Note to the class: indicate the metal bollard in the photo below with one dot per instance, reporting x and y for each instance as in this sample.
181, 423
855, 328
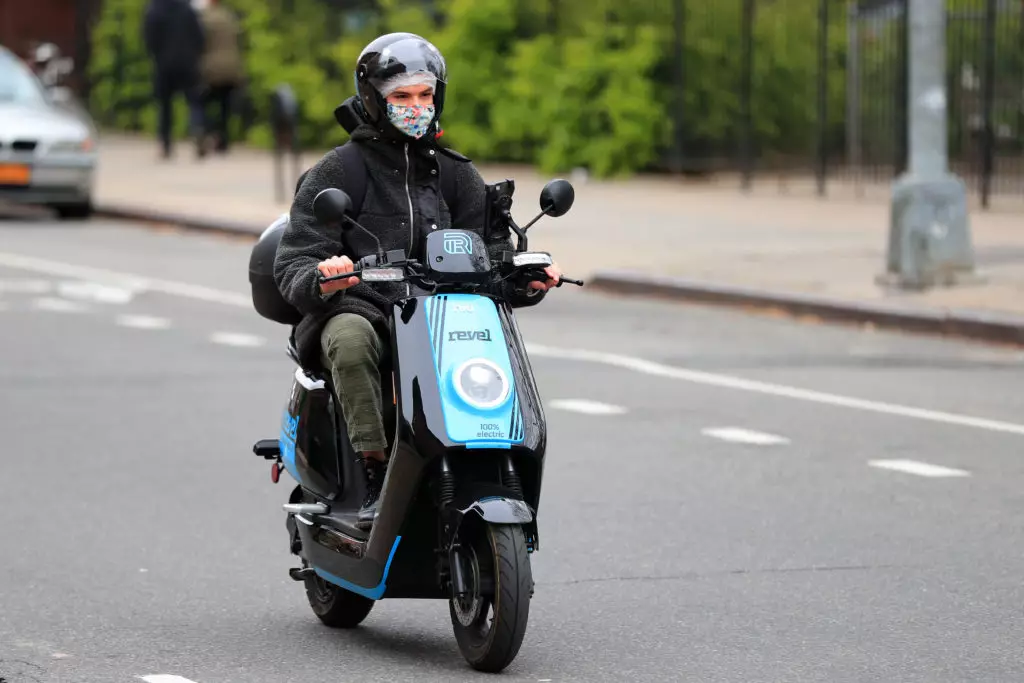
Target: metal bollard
284, 124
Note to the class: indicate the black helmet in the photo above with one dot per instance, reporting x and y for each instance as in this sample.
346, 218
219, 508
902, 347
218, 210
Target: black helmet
390, 55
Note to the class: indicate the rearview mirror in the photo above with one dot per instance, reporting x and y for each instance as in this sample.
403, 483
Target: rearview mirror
557, 197
331, 205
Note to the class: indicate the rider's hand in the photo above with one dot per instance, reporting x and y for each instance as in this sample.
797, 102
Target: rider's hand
336, 265
554, 273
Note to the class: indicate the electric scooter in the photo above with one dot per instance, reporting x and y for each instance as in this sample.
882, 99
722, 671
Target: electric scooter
457, 514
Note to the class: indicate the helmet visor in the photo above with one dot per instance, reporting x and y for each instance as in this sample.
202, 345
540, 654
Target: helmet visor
408, 56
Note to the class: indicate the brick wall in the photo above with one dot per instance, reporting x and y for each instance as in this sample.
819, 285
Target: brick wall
65, 23
24, 22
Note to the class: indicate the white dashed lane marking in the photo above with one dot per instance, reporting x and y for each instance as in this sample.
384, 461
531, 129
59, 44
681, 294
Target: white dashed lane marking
25, 286
579, 405
921, 469
165, 678
95, 291
49, 303
747, 436
237, 339
143, 322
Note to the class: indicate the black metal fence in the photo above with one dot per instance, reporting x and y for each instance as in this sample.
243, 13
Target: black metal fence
817, 89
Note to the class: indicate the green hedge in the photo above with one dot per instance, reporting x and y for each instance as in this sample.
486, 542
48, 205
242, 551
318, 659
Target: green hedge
557, 83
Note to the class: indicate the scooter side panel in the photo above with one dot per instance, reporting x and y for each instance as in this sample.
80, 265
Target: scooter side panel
308, 436
465, 329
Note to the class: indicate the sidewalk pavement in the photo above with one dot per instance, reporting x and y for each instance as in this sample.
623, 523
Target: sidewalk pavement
702, 241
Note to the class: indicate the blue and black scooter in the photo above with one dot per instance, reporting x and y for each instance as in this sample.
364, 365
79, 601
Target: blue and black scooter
457, 516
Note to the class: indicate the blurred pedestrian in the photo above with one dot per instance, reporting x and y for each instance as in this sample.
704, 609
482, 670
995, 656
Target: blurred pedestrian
222, 70
174, 40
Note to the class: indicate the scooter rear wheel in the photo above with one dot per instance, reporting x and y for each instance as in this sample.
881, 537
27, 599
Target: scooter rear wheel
490, 621
335, 606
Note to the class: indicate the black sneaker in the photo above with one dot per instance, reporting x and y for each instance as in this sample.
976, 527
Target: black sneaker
375, 470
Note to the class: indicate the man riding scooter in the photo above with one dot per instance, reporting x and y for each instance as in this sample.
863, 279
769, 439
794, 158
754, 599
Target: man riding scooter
413, 186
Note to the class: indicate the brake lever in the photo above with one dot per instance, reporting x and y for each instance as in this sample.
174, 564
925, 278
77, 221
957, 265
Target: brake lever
568, 280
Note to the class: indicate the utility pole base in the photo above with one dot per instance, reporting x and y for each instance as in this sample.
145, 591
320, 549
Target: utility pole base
929, 235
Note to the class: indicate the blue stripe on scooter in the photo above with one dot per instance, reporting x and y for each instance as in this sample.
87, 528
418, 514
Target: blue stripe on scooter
374, 593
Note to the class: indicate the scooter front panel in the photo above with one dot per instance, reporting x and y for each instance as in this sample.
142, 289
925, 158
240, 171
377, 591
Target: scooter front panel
476, 382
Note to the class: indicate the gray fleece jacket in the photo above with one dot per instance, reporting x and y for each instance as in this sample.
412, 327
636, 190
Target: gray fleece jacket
402, 204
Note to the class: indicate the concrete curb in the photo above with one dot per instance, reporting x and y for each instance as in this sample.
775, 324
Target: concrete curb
212, 224
976, 325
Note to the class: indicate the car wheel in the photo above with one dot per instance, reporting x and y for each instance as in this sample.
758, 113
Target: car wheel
74, 211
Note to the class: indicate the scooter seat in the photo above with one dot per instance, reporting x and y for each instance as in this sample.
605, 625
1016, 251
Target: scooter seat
316, 373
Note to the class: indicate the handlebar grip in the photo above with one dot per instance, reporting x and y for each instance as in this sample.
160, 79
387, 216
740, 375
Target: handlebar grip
344, 276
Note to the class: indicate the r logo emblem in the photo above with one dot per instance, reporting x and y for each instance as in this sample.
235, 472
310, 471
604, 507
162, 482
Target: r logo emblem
458, 243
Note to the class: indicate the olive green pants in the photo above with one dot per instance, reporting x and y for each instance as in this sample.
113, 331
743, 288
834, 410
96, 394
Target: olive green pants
352, 350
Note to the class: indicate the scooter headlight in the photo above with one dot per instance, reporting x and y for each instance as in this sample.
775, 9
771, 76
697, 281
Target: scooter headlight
481, 383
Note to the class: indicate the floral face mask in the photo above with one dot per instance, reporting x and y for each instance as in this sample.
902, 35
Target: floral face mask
413, 121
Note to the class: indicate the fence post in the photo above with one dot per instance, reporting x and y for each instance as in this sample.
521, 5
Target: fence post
929, 234
679, 78
853, 143
987, 96
284, 124
746, 93
822, 95
900, 162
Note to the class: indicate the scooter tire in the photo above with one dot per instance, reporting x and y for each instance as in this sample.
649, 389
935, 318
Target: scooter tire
491, 650
335, 606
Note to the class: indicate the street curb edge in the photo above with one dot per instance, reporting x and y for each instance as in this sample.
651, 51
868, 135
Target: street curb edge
976, 325
216, 225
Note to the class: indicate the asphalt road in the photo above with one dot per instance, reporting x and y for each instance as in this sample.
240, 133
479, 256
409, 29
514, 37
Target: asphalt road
719, 501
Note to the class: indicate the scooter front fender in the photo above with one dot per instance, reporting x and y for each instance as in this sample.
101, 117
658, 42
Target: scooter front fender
500, 510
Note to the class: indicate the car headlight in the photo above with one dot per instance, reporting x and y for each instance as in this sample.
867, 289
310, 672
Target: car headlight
71, 146
481, 383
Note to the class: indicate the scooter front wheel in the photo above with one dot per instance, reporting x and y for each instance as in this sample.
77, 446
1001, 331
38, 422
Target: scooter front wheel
335, 606
490, 620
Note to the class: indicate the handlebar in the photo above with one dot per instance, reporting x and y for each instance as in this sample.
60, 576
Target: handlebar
402, 271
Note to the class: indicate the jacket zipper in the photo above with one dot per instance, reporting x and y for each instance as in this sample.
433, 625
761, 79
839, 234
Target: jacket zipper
408, 196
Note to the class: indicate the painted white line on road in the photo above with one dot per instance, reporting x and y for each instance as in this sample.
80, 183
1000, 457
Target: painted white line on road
95, 291
143, 322
740, 435
922, 469
727, 382
165, 678
237, 339
626, 362
135, 282
579, 405
25, 286
46, 303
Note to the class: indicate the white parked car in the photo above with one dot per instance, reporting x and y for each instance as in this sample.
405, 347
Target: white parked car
47, 144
